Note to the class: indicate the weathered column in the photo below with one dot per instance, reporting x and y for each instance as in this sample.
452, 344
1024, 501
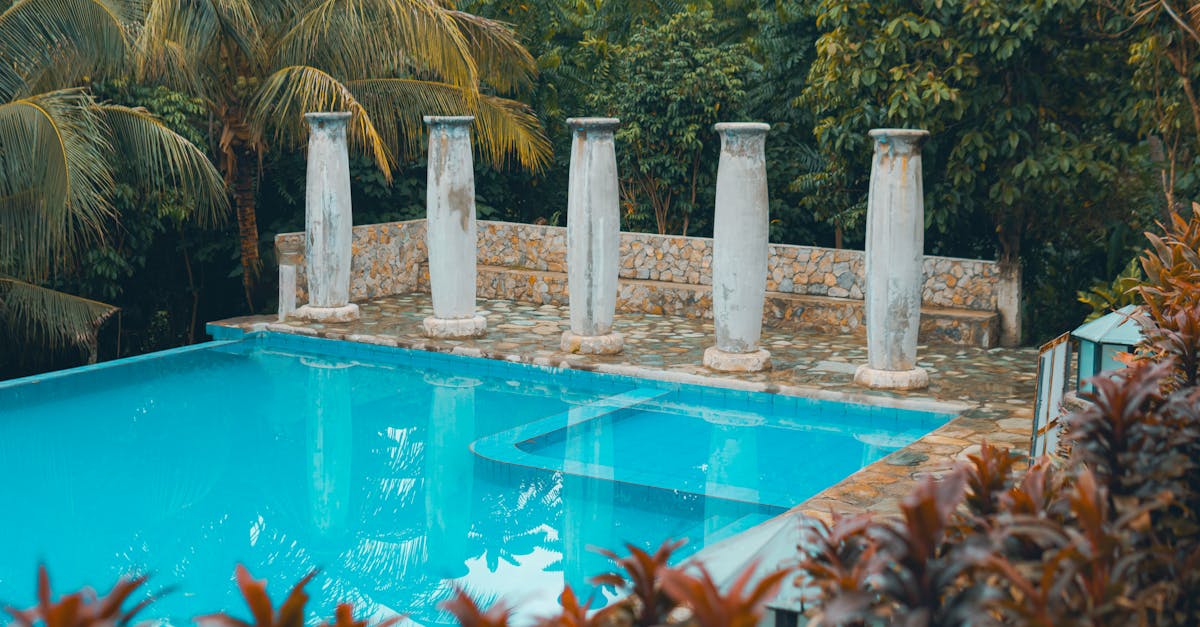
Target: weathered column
450, 231
289, 253
328, 222
740, 250
593, 238
895, 249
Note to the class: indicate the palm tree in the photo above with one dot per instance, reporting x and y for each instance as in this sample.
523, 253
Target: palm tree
61, 153
260, 64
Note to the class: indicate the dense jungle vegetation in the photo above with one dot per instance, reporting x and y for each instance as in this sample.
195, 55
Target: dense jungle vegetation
1061, 130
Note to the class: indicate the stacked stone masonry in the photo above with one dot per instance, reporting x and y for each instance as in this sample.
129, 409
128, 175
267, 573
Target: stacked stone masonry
807, 287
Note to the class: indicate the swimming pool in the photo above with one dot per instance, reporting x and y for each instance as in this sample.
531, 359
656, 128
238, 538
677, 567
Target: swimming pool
401, 474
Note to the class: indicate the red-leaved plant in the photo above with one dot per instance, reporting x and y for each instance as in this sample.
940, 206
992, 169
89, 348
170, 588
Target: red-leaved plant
468, 614
291, 613
642, 574
83, 608
739, 606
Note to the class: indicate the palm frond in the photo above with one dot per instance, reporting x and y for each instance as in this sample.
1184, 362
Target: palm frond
504, 129
55, 180
279, 106
177, 42
43, 316
503, 62
65, 70
35, 33
166, 162
358, 39
240, 23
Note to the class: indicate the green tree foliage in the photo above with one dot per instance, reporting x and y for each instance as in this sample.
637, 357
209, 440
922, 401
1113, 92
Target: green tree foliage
669, 85
1019, 151
67, 162
1027, 165
1162, 48
574, 44
783, 46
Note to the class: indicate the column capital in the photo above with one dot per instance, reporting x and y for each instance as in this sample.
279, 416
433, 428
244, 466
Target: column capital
327, 120
448, 120
583, 125
905, 140
742, 128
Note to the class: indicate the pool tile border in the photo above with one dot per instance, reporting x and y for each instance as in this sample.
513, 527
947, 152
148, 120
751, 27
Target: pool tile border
105, 365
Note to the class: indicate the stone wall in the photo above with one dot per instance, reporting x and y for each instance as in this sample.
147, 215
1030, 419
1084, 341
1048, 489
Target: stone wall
386, 259
964, 300
949, 282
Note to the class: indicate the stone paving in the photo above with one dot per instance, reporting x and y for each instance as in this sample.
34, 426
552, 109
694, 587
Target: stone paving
994, 388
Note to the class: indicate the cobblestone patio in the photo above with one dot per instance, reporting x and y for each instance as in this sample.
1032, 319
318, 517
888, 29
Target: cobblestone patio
994, 387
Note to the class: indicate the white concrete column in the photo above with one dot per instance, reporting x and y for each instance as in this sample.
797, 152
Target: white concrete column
450, 230
593, 238
288, 253
895, 249
740, 250
328, 222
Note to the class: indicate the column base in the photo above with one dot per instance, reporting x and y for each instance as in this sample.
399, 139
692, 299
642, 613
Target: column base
455, 327
609, 344
722, 361
914, 379
345, 313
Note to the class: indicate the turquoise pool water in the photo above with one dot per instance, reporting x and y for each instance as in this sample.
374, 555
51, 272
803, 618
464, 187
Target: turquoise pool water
400, 474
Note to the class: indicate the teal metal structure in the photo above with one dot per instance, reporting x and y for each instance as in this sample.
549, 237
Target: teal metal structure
1101, 339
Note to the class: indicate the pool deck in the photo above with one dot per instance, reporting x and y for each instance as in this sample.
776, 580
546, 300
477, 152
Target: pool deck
994, 388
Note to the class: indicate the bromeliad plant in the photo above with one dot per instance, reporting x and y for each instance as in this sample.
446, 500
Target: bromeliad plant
658, 595
83, 608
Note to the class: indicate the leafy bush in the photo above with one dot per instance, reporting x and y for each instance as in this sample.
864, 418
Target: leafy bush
1110, 536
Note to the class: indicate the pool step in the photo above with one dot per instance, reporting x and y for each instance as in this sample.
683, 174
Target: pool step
505, 447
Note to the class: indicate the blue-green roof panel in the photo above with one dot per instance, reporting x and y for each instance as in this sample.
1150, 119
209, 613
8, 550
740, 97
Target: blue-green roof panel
1114, 328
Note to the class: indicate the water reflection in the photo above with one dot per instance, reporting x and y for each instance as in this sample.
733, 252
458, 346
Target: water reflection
732, 461
329, 441
449, 474
587, 503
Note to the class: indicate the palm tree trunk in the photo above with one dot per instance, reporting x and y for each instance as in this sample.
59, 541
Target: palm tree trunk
244, 197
